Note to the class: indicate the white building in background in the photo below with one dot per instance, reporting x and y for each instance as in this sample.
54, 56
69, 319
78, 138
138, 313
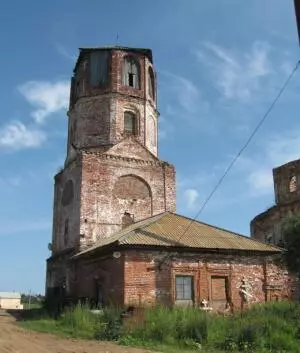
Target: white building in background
10, 300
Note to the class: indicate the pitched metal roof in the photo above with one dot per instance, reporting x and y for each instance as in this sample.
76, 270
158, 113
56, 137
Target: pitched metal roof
173, 230
10, 295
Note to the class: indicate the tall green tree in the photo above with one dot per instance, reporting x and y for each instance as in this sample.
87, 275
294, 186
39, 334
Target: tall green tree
291, 242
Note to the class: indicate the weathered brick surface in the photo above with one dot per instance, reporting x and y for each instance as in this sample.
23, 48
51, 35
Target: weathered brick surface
114, 185
70, 212
96, 118
268, 225
150, 277
147, 277
111, 173
105, 275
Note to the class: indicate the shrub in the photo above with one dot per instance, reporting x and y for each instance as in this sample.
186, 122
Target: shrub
109, 325
78, 321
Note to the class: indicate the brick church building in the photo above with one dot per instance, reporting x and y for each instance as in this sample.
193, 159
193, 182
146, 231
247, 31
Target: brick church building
116, 237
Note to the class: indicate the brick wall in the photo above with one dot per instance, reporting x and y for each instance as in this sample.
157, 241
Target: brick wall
267, 226
103, 274
149, 280
66, 211
282, 176
96, 118
101, 161
102, 202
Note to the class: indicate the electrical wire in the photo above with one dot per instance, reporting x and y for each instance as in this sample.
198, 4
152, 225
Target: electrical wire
262, 120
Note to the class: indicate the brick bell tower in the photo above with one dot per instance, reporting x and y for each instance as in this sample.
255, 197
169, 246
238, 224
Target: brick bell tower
112, 175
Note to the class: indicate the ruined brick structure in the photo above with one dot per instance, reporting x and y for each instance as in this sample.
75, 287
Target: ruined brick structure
267, 226
116, 238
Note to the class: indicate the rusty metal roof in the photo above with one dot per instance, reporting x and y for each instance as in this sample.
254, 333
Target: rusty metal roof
173, 230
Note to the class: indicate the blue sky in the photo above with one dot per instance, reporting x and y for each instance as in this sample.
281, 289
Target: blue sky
219, 63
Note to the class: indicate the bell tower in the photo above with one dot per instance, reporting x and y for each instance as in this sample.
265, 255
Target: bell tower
112, 175
113, 96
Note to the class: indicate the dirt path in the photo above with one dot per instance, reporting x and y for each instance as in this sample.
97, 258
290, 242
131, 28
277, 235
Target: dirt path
14, 339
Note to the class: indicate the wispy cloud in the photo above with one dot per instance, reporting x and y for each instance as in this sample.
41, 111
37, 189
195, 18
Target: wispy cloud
62, 50
46, 97
191, 197
276, 150
16, 136
186, 94
192, 190
10, 182
237, 75
165, 128
17, 226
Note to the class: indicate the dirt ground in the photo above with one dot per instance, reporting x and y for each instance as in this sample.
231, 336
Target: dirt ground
14, 339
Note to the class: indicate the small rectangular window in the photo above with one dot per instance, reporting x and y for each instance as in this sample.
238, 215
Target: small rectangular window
184, 288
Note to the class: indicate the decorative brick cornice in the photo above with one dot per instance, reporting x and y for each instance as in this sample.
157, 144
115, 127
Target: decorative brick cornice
132, 160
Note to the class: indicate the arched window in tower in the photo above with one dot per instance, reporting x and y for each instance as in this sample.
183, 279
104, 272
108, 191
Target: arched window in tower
293, 183
151, 86
130, 125
131, 72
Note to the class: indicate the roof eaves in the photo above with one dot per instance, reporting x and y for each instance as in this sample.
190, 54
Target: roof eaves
118, 237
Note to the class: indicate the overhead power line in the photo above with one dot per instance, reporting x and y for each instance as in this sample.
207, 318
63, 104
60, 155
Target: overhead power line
264, 117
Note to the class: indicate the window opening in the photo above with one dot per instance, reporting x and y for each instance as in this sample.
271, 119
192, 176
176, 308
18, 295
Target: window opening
129, 123
293, 184
184, 289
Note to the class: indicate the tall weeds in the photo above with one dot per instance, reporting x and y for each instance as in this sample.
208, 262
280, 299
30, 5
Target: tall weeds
272, 327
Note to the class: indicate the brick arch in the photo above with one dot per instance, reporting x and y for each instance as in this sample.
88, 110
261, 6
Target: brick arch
131, 185
133, 195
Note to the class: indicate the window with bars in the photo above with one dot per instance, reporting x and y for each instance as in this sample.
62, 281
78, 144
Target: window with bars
131, 70
130, 123
184, 287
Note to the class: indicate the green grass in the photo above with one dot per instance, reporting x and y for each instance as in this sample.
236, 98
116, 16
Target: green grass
265, 328
28, 306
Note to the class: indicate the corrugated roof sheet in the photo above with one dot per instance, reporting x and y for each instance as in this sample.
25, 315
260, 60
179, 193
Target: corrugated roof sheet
10, 295
173, 230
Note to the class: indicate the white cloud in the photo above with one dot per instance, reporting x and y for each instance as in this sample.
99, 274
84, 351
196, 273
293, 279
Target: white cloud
187, 94
237, 75
46, 97
191, 197
17, 136
275, 151
261, 181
